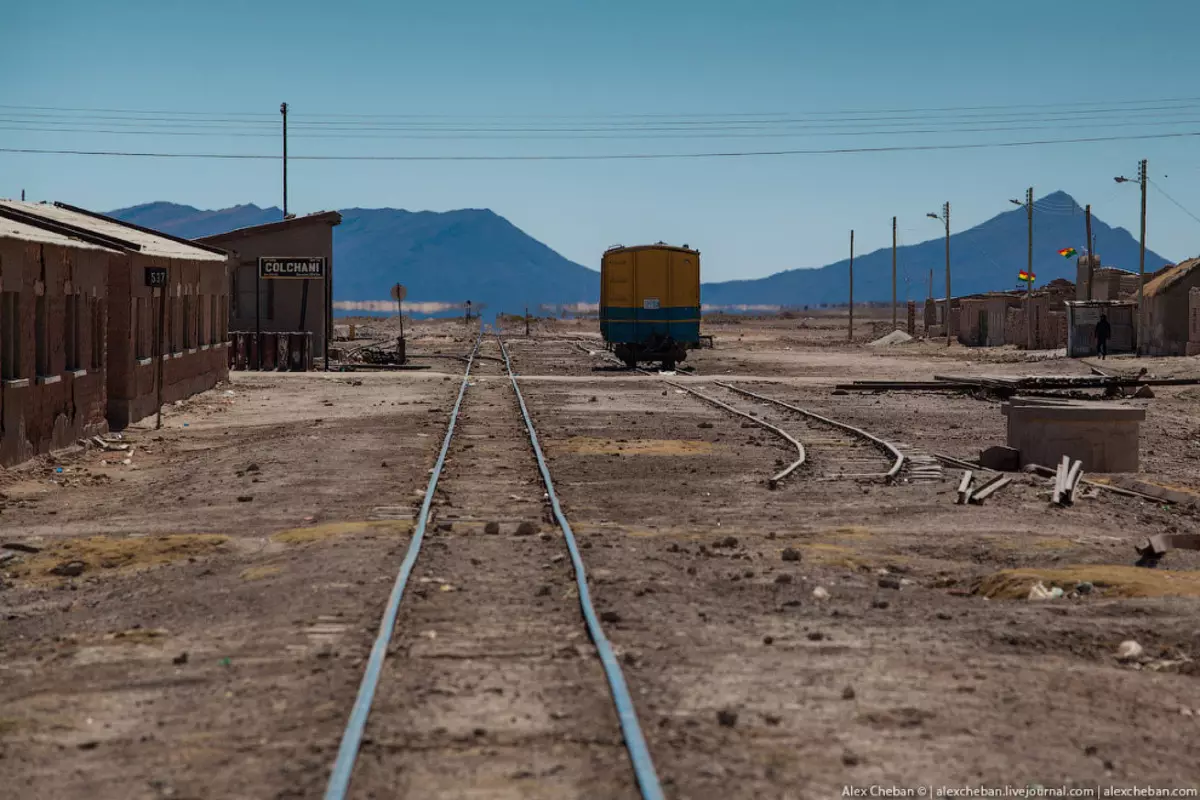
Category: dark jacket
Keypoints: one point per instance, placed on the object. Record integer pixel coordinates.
(1103, 329)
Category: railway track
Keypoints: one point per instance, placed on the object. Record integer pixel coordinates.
(483, 679)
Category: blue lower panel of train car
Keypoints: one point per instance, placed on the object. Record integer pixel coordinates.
(631, 325)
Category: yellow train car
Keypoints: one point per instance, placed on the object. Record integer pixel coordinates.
(650, 302)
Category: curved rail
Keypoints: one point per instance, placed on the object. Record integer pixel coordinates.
(635, 742)
(777, 477)
(886, 446)
(343, 766)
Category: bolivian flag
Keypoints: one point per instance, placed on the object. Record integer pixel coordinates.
(1026, 276)
(1067, 252)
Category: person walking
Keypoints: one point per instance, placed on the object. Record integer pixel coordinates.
(1103, 332)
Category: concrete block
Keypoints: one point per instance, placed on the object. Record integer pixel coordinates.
(1105, 437)
(1005, 459)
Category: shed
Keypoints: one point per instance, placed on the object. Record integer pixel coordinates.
(301, 305)
(1167, 308)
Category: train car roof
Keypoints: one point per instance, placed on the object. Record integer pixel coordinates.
(660, 246)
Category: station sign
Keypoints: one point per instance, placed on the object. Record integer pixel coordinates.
(156, 277)
(300, 267)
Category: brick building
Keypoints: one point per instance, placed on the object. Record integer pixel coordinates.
(53, 294)
(195, 317)
(284, 305)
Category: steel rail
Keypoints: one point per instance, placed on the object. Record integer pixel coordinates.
(343, 765)
(777, 477)
(886, 446)
(635, 742)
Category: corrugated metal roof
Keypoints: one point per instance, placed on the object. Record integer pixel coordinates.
(12, 229)
(151, 244)
(326, 217)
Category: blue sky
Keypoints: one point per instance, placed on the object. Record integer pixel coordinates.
(563, 64)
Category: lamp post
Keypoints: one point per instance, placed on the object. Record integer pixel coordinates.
(1141, 327)
(945, 217)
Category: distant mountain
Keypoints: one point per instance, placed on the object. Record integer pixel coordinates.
(476, 255)
(984, 258)
(447, 257)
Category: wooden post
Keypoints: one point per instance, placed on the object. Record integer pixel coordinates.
(258, 316)
(851, 336)
(946, 214)
(1029, 272)
(1141, 331)
(893, 273)
(159, 357)
(1091, 270)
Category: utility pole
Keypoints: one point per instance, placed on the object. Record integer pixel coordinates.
(946, 218)
(1029, 272)
(893, 273)
(283, 111)
(1141, 335)
(931, 283)
(1091, 252)
(851, 337)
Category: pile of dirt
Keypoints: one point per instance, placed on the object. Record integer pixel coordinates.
(895, 337)
(1108, 579)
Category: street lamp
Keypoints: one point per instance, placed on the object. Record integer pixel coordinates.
(945, 217)
(1141, 327)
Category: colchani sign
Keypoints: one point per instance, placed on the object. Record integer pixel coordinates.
(303, 267)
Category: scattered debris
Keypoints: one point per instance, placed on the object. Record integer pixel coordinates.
(1039, 592)
(977, 496)
(790, 554)
(182, 658)
(610, 616)
(964, 488)
(820, 593)
(21, 547)
(69, 569)
(492, 528)
(889, 582)
(727, 718)
(1129, 650)
(848, 693)
(526, 528)
(1155, 547)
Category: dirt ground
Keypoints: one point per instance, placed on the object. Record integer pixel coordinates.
(225, 575)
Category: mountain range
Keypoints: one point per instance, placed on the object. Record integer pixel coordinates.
(475, 254)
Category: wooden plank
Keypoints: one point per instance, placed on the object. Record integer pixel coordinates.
(964, 487)
(956, 462)
(1071, 481)
(987, 490)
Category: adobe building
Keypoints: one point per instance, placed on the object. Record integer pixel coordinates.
(53, 295)
(1168, 312)
(285, 304)
(194, 279)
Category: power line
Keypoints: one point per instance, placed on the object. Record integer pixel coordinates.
(143, 131)
(1173, 200)
(625, 115)
(615, 156)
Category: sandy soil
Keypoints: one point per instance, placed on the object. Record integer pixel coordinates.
(212, 645)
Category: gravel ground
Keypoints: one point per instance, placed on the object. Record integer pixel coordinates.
(781, 642)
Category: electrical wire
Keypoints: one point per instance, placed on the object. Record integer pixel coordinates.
(1172, 199)
(614, 156)
(624, 115)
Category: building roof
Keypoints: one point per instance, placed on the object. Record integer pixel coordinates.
(122, 234)
(1170, 276)
(325, 217)
(15, 229)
